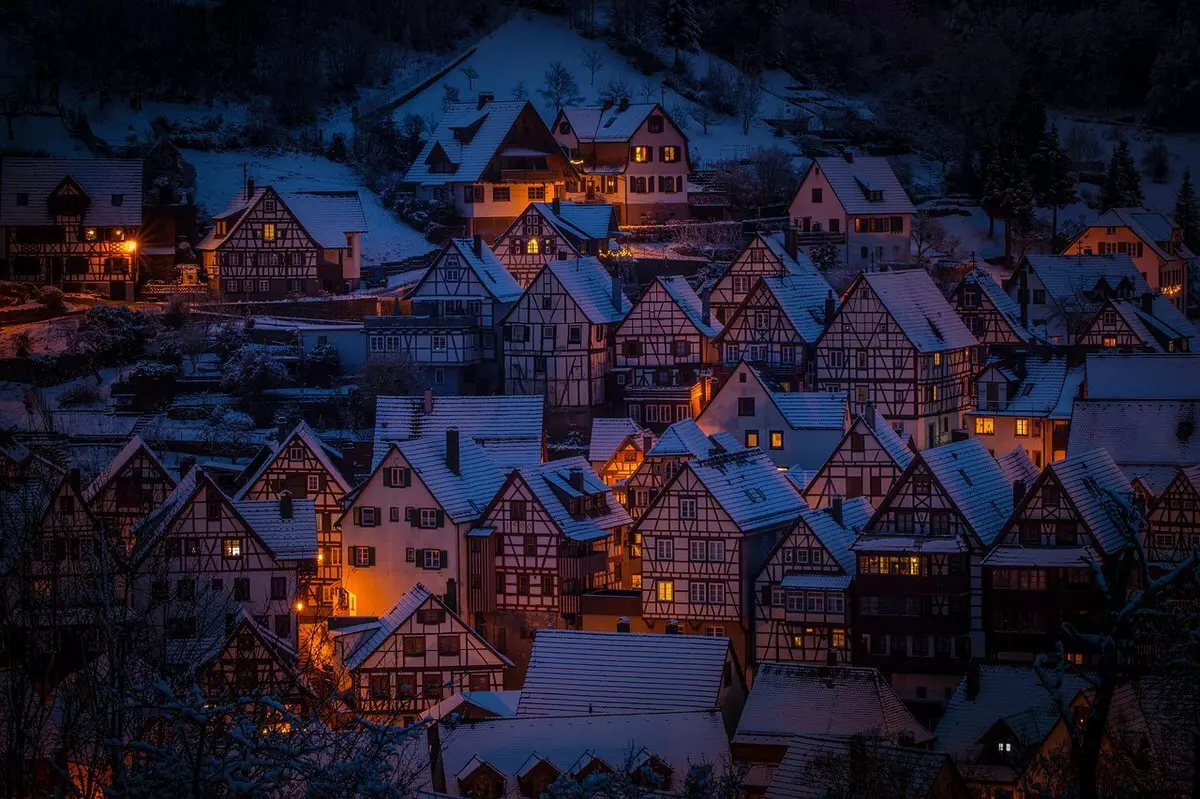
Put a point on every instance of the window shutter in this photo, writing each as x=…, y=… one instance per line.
x=410, y=516
x=350, y=555
x=441, y=518
x=358, y=515
x=370, y=556
x=405, y=477
x=378, y=511
x=445, y=558
x=420, y=562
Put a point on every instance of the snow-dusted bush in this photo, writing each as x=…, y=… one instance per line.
x=82, y=393
x=51, y=297
x=251, y=371
x=151, y=381
x=112, y=334
x=322, y=366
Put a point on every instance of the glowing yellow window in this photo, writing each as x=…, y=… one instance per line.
x=1109, y=341
x=937, y=359
x=532, y=247
x=1022, y=427
x=231, y=547
x=268, y=231
x=985, y=425
x=89, y=234
x=666, y=590
x=838, y=638
x=635, y=580
x=641, y=155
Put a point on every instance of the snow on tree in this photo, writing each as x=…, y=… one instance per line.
x=1187, y=212
x=1122, y=187
x=615, y=90
x=929, y=236
x=680, y=25
x=560, y=87
x=1054, y=177
x=747, y=96
x=251, y=371
x=322, y=366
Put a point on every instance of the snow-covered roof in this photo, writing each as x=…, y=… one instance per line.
x=1040, y=392
x=581, y=221
x=328, y=215
x=288, y=538
x=1020, y=556
x=1004, y=304
x=812, y=410
x=608, y=434
x=591, y=287
x=489, y=270
x=801, y=297
x=749, y=487
x=1138, y=433
x=1013, y=694
x=1098, y=489
x=852, y=181
x=1017, y=465
x=819, y=767
x=612, y=124
x=798, y=264
x=122, y=458
x=684, y=438
x=150, y=528
x=508, y=427
x=1162, y=322
x=569, y=743
x=918, y=307
x=1073, y=276
x=113, y=187
x=804, y=699
x=1144, y=376
x=1153, y=228
x=498, y=703
x=684, y=296
x=551, y=484
x=582, y=671
x=463, y=495
x=480, y=132
x=892, y=442
x=320, y=450
x=838, y=538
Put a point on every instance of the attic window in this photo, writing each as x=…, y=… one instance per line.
x=655, y=124
x=220, y=230
x=118, y=199
x=22, y=198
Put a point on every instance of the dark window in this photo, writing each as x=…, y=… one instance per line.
x=283, y=625
x=414, y=645
x=448, y=645
x=241, y=589
x=547, y=585
x=818, y=195
x=655, y=124
x=379, y=686
x=516, y=510
x=185, y=589
x=278, y=588
x=745, y=406
x=522, y=585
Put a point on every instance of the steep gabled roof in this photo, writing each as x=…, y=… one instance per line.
x=1154, y=229
x=288, y=538
x=550, y=483
x=488, y=269
x=581, y=221
x=748, y=487
x=801, y=699
x=837, y=538
x=1070, y=276
x=1163, y=322
x=463, y=495
x=131, y=449
x=319, y=449
x=852, y=180
x=1040, y=392
x=975, y=483
x=685, y=297
x=608, y=434
x=819, y=767
x=591, y=287
x=508, y=427
x=812, y=410
x=100, y=178
x=1142, y=376
x=328, y=215
x=1138, y=433
x=469, y=137
x=612, y=124
x=581, y=671
x=1017, y=465
x=891, y=441
x=1004, y=304
x=685, y=438
x=801, y=296
x=1098, y=490
x=919, y=309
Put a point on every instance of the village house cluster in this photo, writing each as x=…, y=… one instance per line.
x=802, y=525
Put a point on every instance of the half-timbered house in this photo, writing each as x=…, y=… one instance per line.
x=896, y=342
x=510, y=428
x=918, y=586
x=1040, y=574
x=856, y=202
x=414, y=656
x=558, y=336
x=451, y=334
x=551, y=533
x=776, y=325
x=793, y=428
x=991, y=315
x=865, y=463
x=408, y=521
x=133, y=484
x=631, y=155
x=763, y=256
x=664, y=348
x=617, y=448
x=73, y=222
x=1150, y=323
x=819, y=766
x=554, y=231
x=1153, y=240
x=251, y=659
x=1026, y=402
x=202, y=556
x=1059, y=294
x=706, y=536
x=266, y=244
x=488, y=160
x=1175, y=520
x=307, y=468
x=802, y=598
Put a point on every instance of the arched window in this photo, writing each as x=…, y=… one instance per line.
x=532, y=247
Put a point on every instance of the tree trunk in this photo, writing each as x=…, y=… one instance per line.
x=1054, y=228
x=991, y=226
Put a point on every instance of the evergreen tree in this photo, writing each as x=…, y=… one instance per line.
x=1053, y=178
x=1026, y=123
x=1187, y=212
x=1122, y=183
x=680, y=25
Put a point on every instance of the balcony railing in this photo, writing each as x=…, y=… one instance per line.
x=527, y=176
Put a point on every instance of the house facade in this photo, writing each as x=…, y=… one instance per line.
x=896, y=343
x=857, y=203
x=1149, y=323
x=990, y=314
x=631, y=155
x=865, y=463
x=1175, y=520
x=679, y=443
x=1059, y=294
x=803, y=601
x=133, y=484
x=266, y=244
x=73, y=223
x=1026, y=402
x=488, y=160
x=763, y=256
x=664, y=349
x=558, y=336
x=554, y=231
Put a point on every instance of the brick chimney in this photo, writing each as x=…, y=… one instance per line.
x=428, y=401
x=452, y=449
x=477, y=245
x=556, y=206
x=437, y=768
x=647, y=443
x=829, y=308
x=672, y=627
x=706, y=308
x=848, y=155
x=1018, y=492
x=624, y=104
x=623, y=624
x=575, y=478
x=285, y=504
x=835, y=510
x=1148, y=304
x=789, y=242
x=973, y=680
x=869, y=414
x=249, y=188
x=484, y=98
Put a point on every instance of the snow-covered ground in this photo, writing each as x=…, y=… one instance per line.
x=520, y=50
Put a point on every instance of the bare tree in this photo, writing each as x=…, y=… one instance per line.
x=704, y=116
x=615, y=90
x=560, y=87
x=929, y=236
x=747, y=97
x=593, y=61
x=650, y=91
x=470, y=74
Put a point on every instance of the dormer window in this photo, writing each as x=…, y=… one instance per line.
x=1004, y=747
x=220, y=228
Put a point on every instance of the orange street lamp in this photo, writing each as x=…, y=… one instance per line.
x=131, y=246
